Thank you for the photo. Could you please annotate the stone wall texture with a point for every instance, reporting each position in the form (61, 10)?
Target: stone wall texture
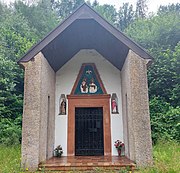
(136, 118)
(38, 112)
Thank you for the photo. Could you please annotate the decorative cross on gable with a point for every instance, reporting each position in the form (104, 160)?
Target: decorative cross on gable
(88, 81)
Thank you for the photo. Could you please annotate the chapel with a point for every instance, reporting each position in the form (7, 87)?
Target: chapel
(85, 86)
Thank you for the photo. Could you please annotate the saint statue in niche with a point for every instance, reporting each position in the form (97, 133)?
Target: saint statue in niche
(114, 106)
(92, 86)
(114, 103)
(84, 86)
(62, 105)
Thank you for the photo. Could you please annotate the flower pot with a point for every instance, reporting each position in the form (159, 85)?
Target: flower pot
(55, 153)
(119, 152)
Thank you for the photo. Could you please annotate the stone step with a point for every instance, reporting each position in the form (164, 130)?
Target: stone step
(85, 163)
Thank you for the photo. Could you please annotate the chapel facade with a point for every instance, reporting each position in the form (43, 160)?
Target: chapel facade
(85, 87)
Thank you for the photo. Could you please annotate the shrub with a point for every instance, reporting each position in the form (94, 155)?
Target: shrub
(164, 120)
(10, 131)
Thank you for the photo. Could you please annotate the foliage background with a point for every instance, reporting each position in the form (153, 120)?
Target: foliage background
(24, 23)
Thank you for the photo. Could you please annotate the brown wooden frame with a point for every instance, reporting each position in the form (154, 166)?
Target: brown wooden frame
(89, 101)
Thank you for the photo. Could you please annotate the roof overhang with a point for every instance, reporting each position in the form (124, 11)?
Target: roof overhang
(85, 29)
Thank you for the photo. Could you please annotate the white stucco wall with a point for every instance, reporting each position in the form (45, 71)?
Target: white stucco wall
(65, 78)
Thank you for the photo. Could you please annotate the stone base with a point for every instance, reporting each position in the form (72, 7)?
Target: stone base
(84, 163)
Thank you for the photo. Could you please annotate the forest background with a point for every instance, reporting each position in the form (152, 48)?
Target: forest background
(24, 22)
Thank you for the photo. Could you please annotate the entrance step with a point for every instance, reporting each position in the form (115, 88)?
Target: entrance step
(85, 163)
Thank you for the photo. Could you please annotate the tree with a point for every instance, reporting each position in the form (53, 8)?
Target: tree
(40, 16)
(169, 8)
(141, 8)
(16, 38)
(95, 3)
(164, 120)
(157, 31)
(14, 45)
(108, 12)
(23, 24)
(164, 76)
(160, 34)
(64, 8)
(126, 16)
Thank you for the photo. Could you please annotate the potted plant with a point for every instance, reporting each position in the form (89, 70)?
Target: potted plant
(58, 151)
(119, 144)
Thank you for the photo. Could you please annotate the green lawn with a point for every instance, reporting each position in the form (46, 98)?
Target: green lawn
(166, 159)
(10, 159)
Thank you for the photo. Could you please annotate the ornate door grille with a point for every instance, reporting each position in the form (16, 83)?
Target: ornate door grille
(89, 132)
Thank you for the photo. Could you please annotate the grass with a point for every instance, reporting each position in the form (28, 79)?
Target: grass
(9, 159)
(166, 159)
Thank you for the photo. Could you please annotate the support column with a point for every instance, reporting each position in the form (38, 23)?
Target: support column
(136, 115)
(39, 85)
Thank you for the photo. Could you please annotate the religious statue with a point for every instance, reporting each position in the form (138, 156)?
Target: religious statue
(62, 105)
(92, 87)
(114, 106)
(114, 103)
(84, 86)
(88, 81)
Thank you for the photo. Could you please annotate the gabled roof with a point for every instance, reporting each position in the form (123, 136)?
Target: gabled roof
(84, 29)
